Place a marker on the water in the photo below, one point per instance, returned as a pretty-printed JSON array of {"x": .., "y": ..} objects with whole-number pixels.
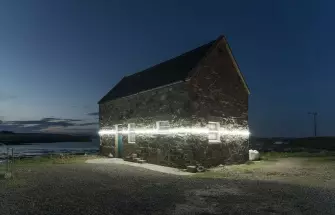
[{"x": 39, "y": 149}]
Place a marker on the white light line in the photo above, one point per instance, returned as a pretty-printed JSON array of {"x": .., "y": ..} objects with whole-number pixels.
[{"x": 233, "y": 132}]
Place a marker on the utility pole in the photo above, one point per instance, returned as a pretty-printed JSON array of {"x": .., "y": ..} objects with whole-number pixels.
[{"x": 314, "y": 118}]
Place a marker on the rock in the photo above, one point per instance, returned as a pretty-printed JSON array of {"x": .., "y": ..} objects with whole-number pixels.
[
  {"x": 128, "y": 158},
  {"x": 201, "y": 169},
  {"x": 287, "y": 150},
  {"x": 323, "y": 152},
  {"x": 141, "y": 161},
  {"x": 221, "y": 165},
  {"x": 137, "y": 159},
  {"x": 192, "y": 169},
  {"x": 8, "y": 175},
  {"x": 110, "y": 155},
  {"x": 254, "y": 155}
]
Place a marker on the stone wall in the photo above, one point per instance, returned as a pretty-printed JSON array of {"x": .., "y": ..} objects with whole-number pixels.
[
  {"x": 145, "y": 109},
  {"x": 217, "y": 90},
  {"x": 166, "y": 103},
  {"x": 218, "y": 94}
]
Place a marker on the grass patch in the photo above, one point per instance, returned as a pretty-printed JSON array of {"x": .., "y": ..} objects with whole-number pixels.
[
  {"x": 3, "y": 168},
  {"x": 309, "y": 169},
  {"x": 211, "y": 174},
  {"x": 18, "y": 178},
  {"x": 275, "y": 155},
  {"x": 235, "y": 171},
  {"x": 55, "y": 159},
  {"x": 323, "y": 159},
  {"x": 15, "y": 182},
  {"x": 249, "y": 166}
]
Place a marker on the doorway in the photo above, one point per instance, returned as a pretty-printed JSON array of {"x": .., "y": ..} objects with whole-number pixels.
[
  {"x": 120, "y": 145},
  {"x": 118, "y": 141}
]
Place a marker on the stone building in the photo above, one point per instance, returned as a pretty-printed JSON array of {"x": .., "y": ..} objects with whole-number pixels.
[{"x": 192, "y": 109}]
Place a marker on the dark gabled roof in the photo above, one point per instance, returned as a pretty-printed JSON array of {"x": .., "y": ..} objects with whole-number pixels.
[{"x": 173, "y": 70}]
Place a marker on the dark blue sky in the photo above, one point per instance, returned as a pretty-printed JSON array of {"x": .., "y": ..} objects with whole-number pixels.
[{"x": 58, "y": 58}]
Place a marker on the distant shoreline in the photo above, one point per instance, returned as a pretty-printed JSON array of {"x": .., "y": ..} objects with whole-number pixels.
[{"x": 29, "y": 138}]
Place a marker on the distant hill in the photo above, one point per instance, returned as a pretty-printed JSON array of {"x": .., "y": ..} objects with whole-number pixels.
[
  {"x": 21, "y": 138},
  {"x": 6, "y": 132},
  {"x": 293, "y": 144}
]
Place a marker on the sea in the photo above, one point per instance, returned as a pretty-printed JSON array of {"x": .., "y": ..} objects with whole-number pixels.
[{"x": 41, "y": 149}]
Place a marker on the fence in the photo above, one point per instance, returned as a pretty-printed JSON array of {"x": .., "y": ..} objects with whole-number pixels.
[{"x": 6, "y": 161}]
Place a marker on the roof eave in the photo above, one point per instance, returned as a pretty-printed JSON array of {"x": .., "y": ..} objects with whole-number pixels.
[{"x": 237, "y": 68}]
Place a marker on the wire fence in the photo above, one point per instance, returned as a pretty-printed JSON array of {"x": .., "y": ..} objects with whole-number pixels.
[{"x": 6, "y": 161}]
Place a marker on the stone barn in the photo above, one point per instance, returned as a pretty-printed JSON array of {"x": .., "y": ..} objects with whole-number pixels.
[{"x": 192, "y": 109}]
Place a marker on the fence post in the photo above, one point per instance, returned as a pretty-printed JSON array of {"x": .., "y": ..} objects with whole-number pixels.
[
  {"x": 7, "y": 160},
  {"x": 12, "y": 161}
]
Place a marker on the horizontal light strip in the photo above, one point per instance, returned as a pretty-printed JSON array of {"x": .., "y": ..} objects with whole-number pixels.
[{"x": 235, "y": 132}]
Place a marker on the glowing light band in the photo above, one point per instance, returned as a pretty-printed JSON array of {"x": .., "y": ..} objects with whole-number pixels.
[{"x": 233, "y": 132}]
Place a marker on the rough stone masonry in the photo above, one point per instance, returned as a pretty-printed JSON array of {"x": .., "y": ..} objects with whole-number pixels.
[{"x": 214, "y": 92}]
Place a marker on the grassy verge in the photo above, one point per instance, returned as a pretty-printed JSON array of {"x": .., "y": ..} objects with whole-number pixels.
[
  {"x": 2, "y": 171},
  {"x": 235, "y": 171},
  {"x": 18, "y": 178},
  {"x": 56, "y": 159},
  {"x": 310, "y": 169},
  {"x": 15, "y": 182},
  {"x": 275, "y": 155}
]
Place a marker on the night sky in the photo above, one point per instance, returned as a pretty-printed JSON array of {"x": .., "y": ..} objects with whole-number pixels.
[{"x": 58, "y": 58}]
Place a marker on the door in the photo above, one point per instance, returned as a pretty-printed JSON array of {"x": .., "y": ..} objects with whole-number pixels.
[
  {"x": 120, "y": 145},
  {"x": 118, "y": 141}
]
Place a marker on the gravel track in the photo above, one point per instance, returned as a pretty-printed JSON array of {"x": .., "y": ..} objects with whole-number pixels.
[{"x": 119, "y": 189}]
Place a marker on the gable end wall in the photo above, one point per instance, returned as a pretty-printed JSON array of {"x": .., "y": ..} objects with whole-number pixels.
[
  {"x": 217, "y": 90},
  {"x": 218, "y": 94}
]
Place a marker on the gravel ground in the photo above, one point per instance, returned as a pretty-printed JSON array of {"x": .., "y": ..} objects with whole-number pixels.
[{"x": 119, "y": 189}]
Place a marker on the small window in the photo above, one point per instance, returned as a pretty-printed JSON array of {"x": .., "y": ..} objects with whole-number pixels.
[
  {"x": 214, "y": 132},
  {"x": 162, "y": 125},
  {"x": 131, "y": 133}
]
